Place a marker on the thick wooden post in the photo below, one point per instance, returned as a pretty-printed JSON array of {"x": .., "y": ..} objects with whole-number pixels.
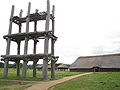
[
  {"x": 26, "y": 43},
  {"x": 18, "y": 49},
  {"x": 5, "y": 74},
  {"x": 34, "y": 49},
  {"x": 20, "y": 24},
  {"x": 52, "y": 47},
  {"x": 18, "y": 62},
  {"x": 34, "y": 68},
  {"x": 18, "y": 68},
  {"x": 46, "y": 43},
  {"x": 34, "y": 61},
  {"x": 35, "y": 22}
]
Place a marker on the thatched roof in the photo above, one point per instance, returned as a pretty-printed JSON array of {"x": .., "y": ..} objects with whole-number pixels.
[
  {"x": 62, "y": 66},
  {"x": 49, "y": 66},
  {"x": 102, "y": 61},
  {"x": 39, "y": 66}
]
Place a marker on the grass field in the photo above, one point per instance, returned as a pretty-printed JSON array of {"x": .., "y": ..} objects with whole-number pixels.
[
  {"x": 16, "y": 88},
  {"x": 4, "y": 83},
  {"x": 96, "y": 81},
  {"x": 12, "y": 76},
  {"x": 59, "y": 74},
  {"x": 7, "y": 83}
]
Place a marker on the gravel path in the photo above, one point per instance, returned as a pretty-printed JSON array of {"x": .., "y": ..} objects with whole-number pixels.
[{"x": 46, "y": 85}]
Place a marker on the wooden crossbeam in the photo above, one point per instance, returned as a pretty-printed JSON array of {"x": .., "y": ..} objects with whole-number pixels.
[
  {"x": 22, "y": 57},
  {"x": 33, "y": 17},
  {"x": 31, "y": 35}
]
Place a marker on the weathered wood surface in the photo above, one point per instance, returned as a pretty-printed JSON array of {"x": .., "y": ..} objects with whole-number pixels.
[
  {"x": 18, "y": 47},
  {"x": 18, "y": 67},
  {"x": 5, "y": 74},
  {"x": 31, "y": 35},
  {"x": 33, "y": 17},
  {"x": 34, "y": 49},
  {"x": 24, "y": 70},
  {"x": 20, "y": 24},
  {"x": 52, "y": 47},
  {"x": 46, "y": 44},
  {"x": 30, "y": 57},
  {"x": 18, "y": 37},
  {"x": 34, "y": 67}
]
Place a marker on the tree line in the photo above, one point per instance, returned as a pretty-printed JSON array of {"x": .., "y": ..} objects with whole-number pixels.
[{"x": 14, "y": 65}]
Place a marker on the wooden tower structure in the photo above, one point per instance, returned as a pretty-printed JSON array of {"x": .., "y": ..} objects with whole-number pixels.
[{"x": 35, "y": 36}]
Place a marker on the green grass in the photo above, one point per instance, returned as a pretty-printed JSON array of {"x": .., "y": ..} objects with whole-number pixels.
[
  {"x": 12, "y": 75},
  {"x": 96, "y": 81},
  {"x": 3, "y": 83},
  {"x": 17, "y": 88}
]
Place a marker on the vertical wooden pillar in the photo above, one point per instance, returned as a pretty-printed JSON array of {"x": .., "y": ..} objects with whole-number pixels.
[
  {"x": 34, "y": 68},
  {"x": 18, "y": 62},
  {"x": 34, "y": 61},
  {"x": 52, "y": 47},
  {"x": 24, "y": 70},
  {"x": 5, "y": 74},
  {"x": 18, "y": 49},
  {"x": 34, "y": 49},
  {"x": 18, "y": 68},
  {"x": 46, "y": 43},
  {"x": 20, "y": 24},
  {"x": 35, "y": 22}
]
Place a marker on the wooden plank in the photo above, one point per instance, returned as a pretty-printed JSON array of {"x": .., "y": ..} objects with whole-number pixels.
[
  {"x": 5, "y": 74},
  {"x": 46, "y": 44}
]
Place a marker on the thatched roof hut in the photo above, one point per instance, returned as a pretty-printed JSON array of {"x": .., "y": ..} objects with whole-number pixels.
[
  {"x": 62, "y": 67},
  {"x": 101, "y": 63},
  {"x": 39, "y": 66}
]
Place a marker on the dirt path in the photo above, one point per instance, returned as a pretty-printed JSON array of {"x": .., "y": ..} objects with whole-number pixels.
[{"x": 46, "y": 85}]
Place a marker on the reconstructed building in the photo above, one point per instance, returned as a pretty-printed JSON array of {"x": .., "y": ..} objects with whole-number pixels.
[
  {"x": 62, "y": 67},
  {"x": 46, "y": 35},
  {"x": 99, "y": 63}
]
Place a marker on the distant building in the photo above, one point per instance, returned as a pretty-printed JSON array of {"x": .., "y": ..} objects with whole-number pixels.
[
  {"x": 39, "y": 67},
  {"x": 62, "y": 67},
  {"x": 100, "y": 63}
]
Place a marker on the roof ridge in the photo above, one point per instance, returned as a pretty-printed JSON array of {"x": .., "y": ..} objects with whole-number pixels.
[{"x": 116, "y": 54}]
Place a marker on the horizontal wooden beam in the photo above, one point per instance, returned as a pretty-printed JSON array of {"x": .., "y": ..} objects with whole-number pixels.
[
  {"x": 29, "y": 57},
  {"x": 31, "y": 35},
  {"x": 33, "y": 17}
]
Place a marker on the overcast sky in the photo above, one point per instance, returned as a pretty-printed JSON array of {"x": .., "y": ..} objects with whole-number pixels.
[{"x": 83, "y": 27}]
